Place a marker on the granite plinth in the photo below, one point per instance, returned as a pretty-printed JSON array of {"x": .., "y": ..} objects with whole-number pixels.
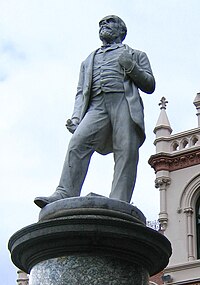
[
  {"x": 91, "y": 230},
  {"x": 88, "y": 270}
]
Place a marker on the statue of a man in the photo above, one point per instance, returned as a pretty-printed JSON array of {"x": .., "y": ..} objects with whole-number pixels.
[{"x": 108, "y": 114}]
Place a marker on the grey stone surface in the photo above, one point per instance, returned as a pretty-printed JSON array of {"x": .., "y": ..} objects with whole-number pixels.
[
  {"x": 108, "y": 114},
  {"x": 87, "y": 270},
  {"x": 92, "y": 204},
  {"x": 81, "y": 231}
]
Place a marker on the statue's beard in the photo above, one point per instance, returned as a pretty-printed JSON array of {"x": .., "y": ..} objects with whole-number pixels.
[{"x": 107, "y": 36}]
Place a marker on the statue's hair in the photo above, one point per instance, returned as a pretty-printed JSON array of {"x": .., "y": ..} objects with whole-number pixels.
[{"x": 122, "y": 26}]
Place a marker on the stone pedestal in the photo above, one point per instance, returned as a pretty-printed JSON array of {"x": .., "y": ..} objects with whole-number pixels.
[
  {"x": 89, "y": 240},
  {"x": 90, "y": 270}
]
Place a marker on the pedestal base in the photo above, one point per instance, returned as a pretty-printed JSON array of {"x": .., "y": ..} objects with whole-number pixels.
[
  {"x": 89, "y": 240},
  {"x": 88, "y": 270}
]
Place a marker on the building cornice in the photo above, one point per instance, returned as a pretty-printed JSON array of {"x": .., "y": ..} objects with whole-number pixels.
[
  {"x": 179, "y": 135},
  {"x": 175, "y": 161}
]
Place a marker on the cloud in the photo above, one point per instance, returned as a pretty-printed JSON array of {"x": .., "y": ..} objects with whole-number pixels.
[
  {"x": 10, "y": 49},
  {"x": 10, "y": 58}
]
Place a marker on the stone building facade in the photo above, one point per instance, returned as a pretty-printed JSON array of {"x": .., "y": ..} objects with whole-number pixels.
[{"x": 177, "y": 167}]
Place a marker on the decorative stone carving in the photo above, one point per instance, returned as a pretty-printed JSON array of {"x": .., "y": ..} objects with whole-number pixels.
[
  {"x": 189, "y": 211},
  {"x": 163, "y": 103},
  {"x": 172, "y": 162},
  {"x": 162, "y": 181},
  {"x": 163, "y": 224}
]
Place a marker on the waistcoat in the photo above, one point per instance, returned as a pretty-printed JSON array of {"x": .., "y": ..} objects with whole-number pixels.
[{"x": 108, "y": 75}]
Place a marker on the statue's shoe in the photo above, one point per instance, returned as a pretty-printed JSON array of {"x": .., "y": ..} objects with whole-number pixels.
[{"x": 43, "y": 201}]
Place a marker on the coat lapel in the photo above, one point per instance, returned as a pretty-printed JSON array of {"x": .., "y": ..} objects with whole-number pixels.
[{"x": 88, "y": 70}]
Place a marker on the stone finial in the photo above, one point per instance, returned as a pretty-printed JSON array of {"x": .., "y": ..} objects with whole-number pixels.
[
  {"x": 163, "y": 103},
  {"x": 197, "y": 100},
  {"x": 197, "y": 105},
  {"x": 163, "y": 128}
]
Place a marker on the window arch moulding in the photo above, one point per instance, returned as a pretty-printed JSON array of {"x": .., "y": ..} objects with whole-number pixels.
[{"x": 190, "y": 194}]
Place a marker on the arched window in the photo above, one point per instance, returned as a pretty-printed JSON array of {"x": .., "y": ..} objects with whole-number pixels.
[
  {"x": 198, "y": 226},
  {"x": 190, "y": 204},
  {"x": 184, "y": 143},
  {"x": 194, "y": 141},
  {"x": 175, "y": 146}
]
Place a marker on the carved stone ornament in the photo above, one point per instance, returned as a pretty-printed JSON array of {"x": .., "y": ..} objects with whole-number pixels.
[
  {"x": 189, "y": 211},
  {"x": 169, "y": 162},
  {"x": 163, "y": 224},
  {"x": 162, "y": 181}
]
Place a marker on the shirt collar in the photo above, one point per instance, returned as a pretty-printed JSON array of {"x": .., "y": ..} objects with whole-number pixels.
[{"x": 110, "y": 47}]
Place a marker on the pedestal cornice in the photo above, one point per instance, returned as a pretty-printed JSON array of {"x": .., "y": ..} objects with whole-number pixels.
[{"x": 86, "y": 233}]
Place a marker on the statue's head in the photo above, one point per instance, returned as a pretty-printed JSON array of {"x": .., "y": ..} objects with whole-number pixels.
[{"x": 112, "y": 27}]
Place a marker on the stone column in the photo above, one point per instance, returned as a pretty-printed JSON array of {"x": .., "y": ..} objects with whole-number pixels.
[
  {"x": 189, "y": 213},
  {"x": 89, "y": 240},
  {"x": 22, "y": 278},
  {"x": 162, "y": 183}
]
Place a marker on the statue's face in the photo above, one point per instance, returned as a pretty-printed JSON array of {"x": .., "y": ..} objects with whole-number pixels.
[{"x": 109, "y": 29}]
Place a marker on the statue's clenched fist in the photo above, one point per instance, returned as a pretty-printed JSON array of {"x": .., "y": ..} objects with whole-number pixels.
[
  {"x": 126, "y": 60},
  {"x": 72, "y": 124}
]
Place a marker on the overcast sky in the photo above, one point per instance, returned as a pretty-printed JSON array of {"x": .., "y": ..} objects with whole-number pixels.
[{"x": 42, "y": 44}]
